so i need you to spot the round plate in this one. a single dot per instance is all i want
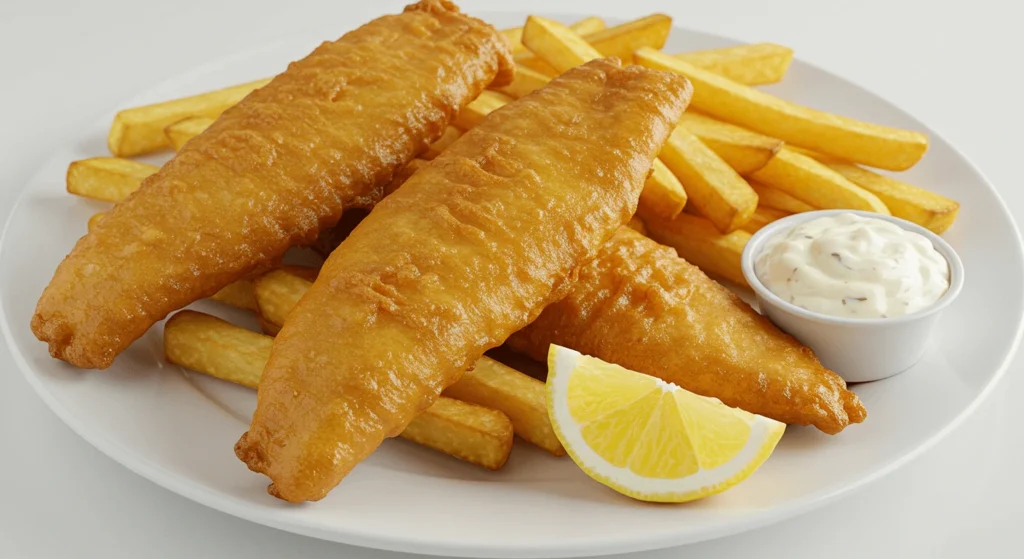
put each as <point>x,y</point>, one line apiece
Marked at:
<point>178,429</point>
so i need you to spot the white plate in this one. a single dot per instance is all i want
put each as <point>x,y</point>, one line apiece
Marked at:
<point>178,429</point>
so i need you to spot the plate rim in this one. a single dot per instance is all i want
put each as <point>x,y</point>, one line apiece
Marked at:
<point>228,504</point>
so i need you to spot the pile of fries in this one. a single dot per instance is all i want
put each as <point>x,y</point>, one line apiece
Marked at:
<point>738,160</point>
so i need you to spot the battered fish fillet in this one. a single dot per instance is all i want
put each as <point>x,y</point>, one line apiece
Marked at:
<point>470,249</point>
<point>269,174</point>
<point>639,305</point>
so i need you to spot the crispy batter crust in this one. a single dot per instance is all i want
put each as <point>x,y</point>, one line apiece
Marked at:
<point>470,249</point>
<point>269,174</point>
<point>639,305</point>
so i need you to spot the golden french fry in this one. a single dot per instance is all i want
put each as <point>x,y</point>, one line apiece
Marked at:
<point>663,194</point>
<point>477,110</point>
<point>521,397</point>
<point>776,199</point>
<point>756,64</point>
<point>762,216</point>
<point>526,81</point>
<point>814,183</point>
<point>713,187</point>
<point>447,138</point>
<point>267,327</point>
<point>489,384</point>
<point>637,224</point>
<point>743,150</point>
<point>211,346</point>
<point>623,40</point>
<point>563,49</point>
<point>853,140</point>
<point>95,219</point>
<point>556,44</point>
<point>186,129</point>
<point>927,209</point>
<point>141,129</point>
<point>527,59</point>
<point>277,292</point>
<point>240,294</point>
<point>110,179</point>
<point>469,432</point>
<point>698,241</point>
<point>817,156</point>
<point>216,347</point>
<point>514,37</point>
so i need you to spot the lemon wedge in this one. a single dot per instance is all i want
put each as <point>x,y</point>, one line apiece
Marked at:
<point>649,439</point>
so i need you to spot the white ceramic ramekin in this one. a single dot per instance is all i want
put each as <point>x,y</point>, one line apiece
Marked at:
<point>860,350</point>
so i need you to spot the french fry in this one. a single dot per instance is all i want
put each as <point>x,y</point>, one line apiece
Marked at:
<point>556,44</point>
<point>776,199</point>
<point>211,346</point>
<point>216,347</point>
<point>489,384</point>
<point>94,220</point>
<point>563,49</point>
<point>700,243</point>
<point>814,183</point>
<point>240,294</point>
<point>186,129</point>
<point>588,25</point>
<point>620,40</point>
<point>663,194</point>
<point>623,40</point>
<point>927,209</point>
<point>140,130</point>
<point>637,224</point>
<point>277,292</point>
<point>762,216</point>
<point>514,36</point>
<point>852,140</point>
<point>477,110</point>
<point>757,64</point>
<point>817,156</point>
<point>526,81</point>
<point>267,327</point>
<point>447,138</point>
<point>527,59</point>
<point>521,397</point>
<point>469,432</point>
<point>743,150</point>
<point>110,179</point>
<point>713,187</point>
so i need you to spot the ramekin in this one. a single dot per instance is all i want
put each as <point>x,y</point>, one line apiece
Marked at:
<point>860,350</point>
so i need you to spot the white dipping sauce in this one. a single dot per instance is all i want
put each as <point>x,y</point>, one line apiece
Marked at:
<point>851,266</point>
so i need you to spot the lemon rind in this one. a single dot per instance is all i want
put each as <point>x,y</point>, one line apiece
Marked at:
<point>764,436</point>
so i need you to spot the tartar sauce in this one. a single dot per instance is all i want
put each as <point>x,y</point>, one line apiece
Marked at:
<point>851,266</point>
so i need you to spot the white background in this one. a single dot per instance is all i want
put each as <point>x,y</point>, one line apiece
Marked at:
<point>955,65</point>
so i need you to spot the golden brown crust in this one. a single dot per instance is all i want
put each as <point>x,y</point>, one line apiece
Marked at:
<point>471,248</point>
<point>639,305</point>
<point>270,173</point>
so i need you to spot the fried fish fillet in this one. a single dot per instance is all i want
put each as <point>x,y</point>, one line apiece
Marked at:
<point>470,249</point>
<point>639,305</point>
<point>269,174</point>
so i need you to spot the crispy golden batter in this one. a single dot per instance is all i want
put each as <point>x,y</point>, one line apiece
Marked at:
<point>269,174</point>
<point>470,249</point>
<point>641,306</point>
